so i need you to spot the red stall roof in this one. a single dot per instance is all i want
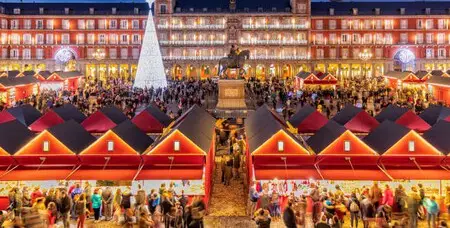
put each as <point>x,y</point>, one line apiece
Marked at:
<point>120,146</point>
<point>307,120</point>
<point>355,119</point>
<point>152,120</point>
<point>286,174</point>
<point>170,174</point>
<point>46,121</point>
<point>35,174</point>
<point>103,120</point>
<point>413,122</point>
<point>391,112</point>
<point>104,174</point>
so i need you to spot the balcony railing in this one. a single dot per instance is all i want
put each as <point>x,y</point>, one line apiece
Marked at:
<point>216,26</point>
<point>290,26</point>
<point>191,42</point>
<point>277,57</point>
<point>192,57</point>
<point>277,42</point>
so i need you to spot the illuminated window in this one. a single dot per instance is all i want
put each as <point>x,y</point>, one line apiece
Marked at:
<point>176,145</point>
<point>110,146</point>
<point>411,146</point>
<point>346,145</point>
<point>46,146</point>
<point>280,146</point>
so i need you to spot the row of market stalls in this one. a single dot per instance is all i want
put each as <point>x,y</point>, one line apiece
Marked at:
<point>17,85</point>
<point>306,79</point>
<point>151,120</point>
<point>124,155</point>
<point>436,82</point>
<point>389,153</point>
<point>308,120</point>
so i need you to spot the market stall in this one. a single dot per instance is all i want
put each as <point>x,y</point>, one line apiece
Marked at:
<point>434,114</point>
<point>104,119</point>
<point>25,114</point>
<point>17,87</point>
<point>405,154</point>
<point>439,87</point>
<point>66,80</point>
<point>307,79</point>
<point>343,156</point>
<point>183,156</point>
<point>152,120</point>
<point>114,156</point>
<point>307,120</point>
<point>57,116</point>
<point>355,119</point>
<point>403,79</point>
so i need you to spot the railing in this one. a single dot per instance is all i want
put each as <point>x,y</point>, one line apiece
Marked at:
<point>290,26</point>
<point>192,57</point>
<point>286,42</point>
<point>192,42</point>
<point>289,57</point>
<point>217,26</point>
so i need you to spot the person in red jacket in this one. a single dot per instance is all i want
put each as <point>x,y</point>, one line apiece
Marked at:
<point>388,196</point>
<point>36,194</point>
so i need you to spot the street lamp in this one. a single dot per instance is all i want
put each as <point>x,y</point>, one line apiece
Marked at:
<point>99,54</point>
<point>365,56</point>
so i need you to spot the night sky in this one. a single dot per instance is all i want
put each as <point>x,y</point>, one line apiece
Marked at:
<point>97,1</point>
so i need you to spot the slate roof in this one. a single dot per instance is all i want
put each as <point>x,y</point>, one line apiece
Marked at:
<point>13,136</point>
<point>325,136</point>
<point>76,8</point>
<point>114,114</point>
<point>391,112</point>
<point>45,73</point>
<point>434,113</point>
<point>421,73</point>
<point>385,136</point>
<point>445,81</point>
<point>15,81</point>
<point>134,137</point>
<point>26,114</point>
<point>72,135</point>
<point>68,74</point>
<point>68,112</point>
<point>437,73</point>
<point>346,114</point>
<point>438,136</point>
<point>398,74</point>
<point>197,6</point>
<point>303,74</point>
<point>386,8</point>
<point>159,115</point>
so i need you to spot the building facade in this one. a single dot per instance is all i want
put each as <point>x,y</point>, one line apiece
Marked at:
<point>99,40</point>
<point>284,37</point>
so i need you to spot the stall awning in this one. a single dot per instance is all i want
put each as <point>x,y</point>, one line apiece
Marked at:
<point>416,174</point>
<point>286,174</point>
<point>103,174</point>
<point>36,175</point>
<point>357,174</point>
<point>174,174</point>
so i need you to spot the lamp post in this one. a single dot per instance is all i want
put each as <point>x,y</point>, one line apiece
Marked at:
<point>98,55</point>
<point>365,56</point>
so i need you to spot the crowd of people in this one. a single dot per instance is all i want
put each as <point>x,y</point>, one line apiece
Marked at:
<point>374,206</point>
<point>63,205</point>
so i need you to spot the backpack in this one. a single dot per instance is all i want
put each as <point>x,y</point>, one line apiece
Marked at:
<point>354,207</point>
<point>80,207</point>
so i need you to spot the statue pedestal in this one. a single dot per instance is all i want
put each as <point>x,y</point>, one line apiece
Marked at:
<point>233,73</point>
<point>231,95</point>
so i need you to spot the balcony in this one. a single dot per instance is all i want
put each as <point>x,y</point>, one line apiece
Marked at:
<point>192,57</point>
<point>288,26</point>
<point>191,42</point>
<point>277,57</point>
<point>207,27</point>
<point>274,42</point>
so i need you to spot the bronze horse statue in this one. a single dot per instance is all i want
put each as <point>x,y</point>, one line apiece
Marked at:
<point>237,61</point>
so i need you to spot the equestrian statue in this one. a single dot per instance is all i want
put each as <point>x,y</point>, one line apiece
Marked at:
<point>234,60</point>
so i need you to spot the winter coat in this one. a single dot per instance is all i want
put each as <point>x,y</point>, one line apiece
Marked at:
<point>388,198</point>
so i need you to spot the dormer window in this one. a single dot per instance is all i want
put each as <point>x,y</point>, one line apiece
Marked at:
<point>176,145</point>
<point>347,146</point>
<point>274,9</point>
<point>428,11</point>
<point>2,9</point>
<point>136,10</point>
<point>355,11</point>
<point>114,10</point>
<point>280,146</point>
<point>411,146</point>
<point>205,9</point>
<point>41,10</point>
<point>91,11</point>
<point>260,9</point>
<point>402,11</point>
<point>46,146</point>
<point>219,9</point>
<point>66,11</point>
<point>246,10</point>
<point>16,11</point>
<point>377,11</point>
<point>331,11</point>
<point>191,9</point>
<point>110,146</point>
<point>178,10</point>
